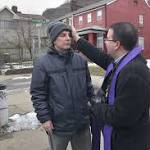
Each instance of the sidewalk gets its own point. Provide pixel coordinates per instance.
(19, 102)
(25, 140)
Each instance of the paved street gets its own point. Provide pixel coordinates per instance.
(17, 82)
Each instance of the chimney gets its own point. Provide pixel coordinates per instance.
(14, 9)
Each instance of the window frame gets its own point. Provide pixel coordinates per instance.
(89, 17)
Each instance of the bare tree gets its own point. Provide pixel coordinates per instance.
(27, 34)
(21, 37)
(14, 41)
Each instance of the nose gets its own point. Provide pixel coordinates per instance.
(68, 37)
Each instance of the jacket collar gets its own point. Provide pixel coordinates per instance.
(66, 56)
(52, 50)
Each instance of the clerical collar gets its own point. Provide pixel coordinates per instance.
(119, 58)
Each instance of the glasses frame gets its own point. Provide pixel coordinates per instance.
(105, 39)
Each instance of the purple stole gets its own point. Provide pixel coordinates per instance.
(107, 130)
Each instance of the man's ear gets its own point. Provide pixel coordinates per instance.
(118, 44)
(54, 43)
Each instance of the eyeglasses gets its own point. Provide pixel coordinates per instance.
(105, 39)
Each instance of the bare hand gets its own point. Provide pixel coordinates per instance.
(48, 126)
(75, 35)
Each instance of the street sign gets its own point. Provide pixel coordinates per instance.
(36, 21)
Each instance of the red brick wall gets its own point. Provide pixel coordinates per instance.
(94, 19)
(127, 10)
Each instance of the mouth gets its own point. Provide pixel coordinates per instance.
(68, 44)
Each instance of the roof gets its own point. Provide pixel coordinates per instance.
(93, 29)
(31, 16)
(95, 5)
(89, 7)
(5, 7)
(19, 15)
(67, 8)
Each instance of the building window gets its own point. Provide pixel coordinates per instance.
(99, 42)
(2, 25)
(80, 19)
(89, 18)
(141, 42)
(99, 15)
(67, 21)
(5, 24)
(141, 20)
(70, 21)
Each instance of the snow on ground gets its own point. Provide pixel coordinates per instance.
(22, 77)
(9, 66)
(22, 66)
(148, 63)
(19, 122)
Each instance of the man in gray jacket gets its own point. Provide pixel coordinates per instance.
(61, 88)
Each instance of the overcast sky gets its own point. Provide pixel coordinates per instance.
(31, 6)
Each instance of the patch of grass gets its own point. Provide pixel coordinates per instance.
(96, 71)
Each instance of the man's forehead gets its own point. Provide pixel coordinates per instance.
(110, 32)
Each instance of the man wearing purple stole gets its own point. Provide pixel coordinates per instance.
(123, 111)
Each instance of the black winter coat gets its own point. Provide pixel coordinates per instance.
(129, 116)
(61, 88)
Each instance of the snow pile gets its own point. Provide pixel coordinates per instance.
(148, 63)
(22, 66)
(23, 122)
(22, 77)
(9, 66)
